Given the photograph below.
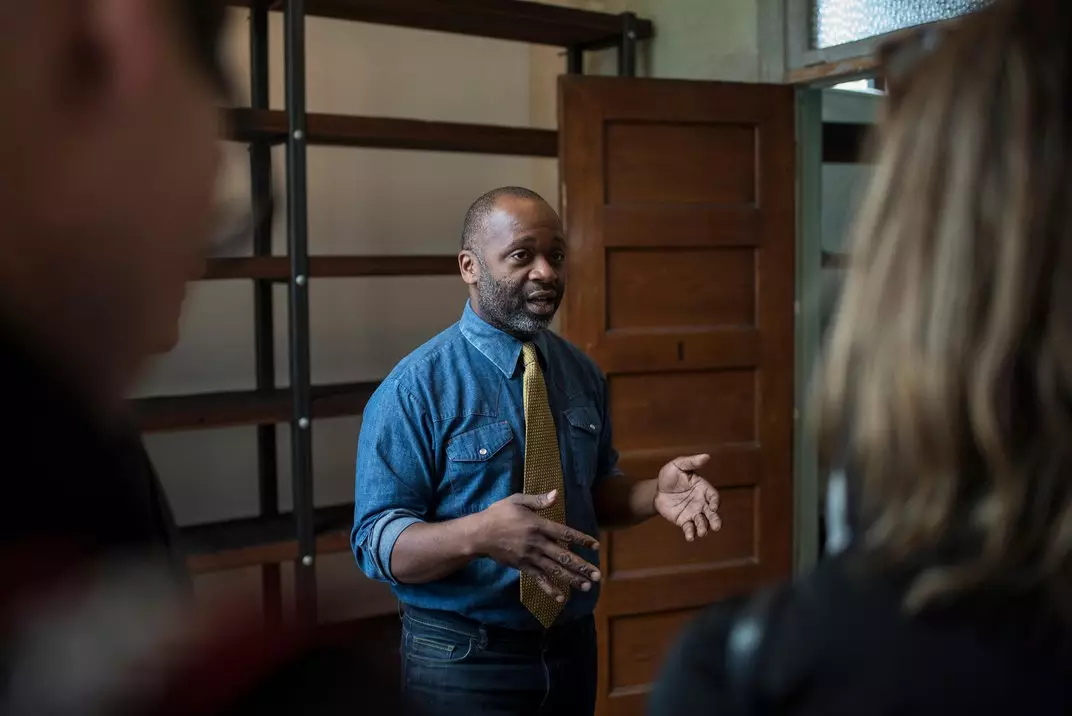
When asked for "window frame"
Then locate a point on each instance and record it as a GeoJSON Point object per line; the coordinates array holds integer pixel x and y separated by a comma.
{"type": "Point", "coordinates": [806, 64]}
{"type": "Point", "coordinates": [800, 53]}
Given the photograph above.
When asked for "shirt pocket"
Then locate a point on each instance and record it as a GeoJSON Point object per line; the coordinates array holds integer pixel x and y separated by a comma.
{"type": "Point", "coordinates": [585, 426]}
{"type": "Point", "coordinates": [479, 467]}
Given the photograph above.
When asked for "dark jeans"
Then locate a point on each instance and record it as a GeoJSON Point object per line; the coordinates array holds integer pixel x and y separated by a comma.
{"type": "Point", "coordinates": [451, 665]}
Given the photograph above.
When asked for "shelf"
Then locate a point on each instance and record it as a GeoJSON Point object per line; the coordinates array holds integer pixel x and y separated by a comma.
{"type": "Point", "coordinates": [516, 20]}
{"type": "Point", "coordinates": [255, 541]}
{"type": "Point", "coordinates": [269, 553]}
{"type": "Point", "coordinates": [277, 268]}
{"type": "Point", "coordinates": [246, 125]}
{"type": "Point", "coordinates": [217, 410]}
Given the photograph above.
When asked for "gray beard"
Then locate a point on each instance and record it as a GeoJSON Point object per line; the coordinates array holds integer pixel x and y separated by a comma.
{"type": "Point", "coordinates": [506, 310]}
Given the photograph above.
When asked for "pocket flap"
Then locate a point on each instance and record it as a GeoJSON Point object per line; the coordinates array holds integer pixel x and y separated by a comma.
{"type": "Point", "coordinates": [584, 418]}
{"type": "Point", "coordinates": [479, 444]}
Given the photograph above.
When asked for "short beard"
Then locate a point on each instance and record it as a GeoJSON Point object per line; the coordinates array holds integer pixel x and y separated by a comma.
{"type": "Point", "coordinates": [504, 309]}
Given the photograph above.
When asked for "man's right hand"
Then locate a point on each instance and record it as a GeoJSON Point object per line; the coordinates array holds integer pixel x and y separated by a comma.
{"type": "Point", "coordinates": [511, 533]}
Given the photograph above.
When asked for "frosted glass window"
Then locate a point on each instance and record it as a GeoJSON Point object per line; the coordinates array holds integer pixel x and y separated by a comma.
{"type": "Point", "coordinates": [836, 22]}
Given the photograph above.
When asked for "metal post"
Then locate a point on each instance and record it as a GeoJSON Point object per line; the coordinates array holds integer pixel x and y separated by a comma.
{"type": "Point", "coordinates": [301, 427]}
{"type": "Point", "coordinates": [575, 60]}
{"type": "Point", "coordinates": [260, 166]}
{"type": "Point", "coordinates": [627, 46]}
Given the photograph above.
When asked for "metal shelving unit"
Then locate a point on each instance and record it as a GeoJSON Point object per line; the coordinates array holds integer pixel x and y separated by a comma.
{"type": "Point", "coordinates": [272, 537]}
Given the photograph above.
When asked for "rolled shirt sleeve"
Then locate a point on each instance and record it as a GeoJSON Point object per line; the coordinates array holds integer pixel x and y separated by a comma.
{"type": "Point", "coordinates": [393, 486]}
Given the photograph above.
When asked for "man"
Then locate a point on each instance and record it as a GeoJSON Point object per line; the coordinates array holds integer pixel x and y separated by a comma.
{"type": "Point", "coordinates": [485, 468]}
{"type": "Point", "coordinates": [109, 142]}
{"type": "Point", "coordinates": [110, 150]}
{"type": "Point", "coordinates": [109, 147]}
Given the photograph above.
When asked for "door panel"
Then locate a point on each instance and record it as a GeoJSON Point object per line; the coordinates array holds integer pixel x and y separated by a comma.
{"type": "Point", "coordinates": [644, 164]}
{"type": "Point", "coordinates": [714, 287]}
{"type": "Point", "coordinates": [638, 645]}
{"type": "Point", "coordinates": [678, 203]}
{"type": "Point", "coordinates": [680, 225]}
{"type": "Point", "coordinates": [657, 544]}
{"type": "Point", "coordinates": [657, 409]}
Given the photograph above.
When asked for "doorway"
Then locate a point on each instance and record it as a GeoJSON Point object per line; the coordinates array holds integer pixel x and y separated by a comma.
{"type": "Point", "coordinates": [833, 124]}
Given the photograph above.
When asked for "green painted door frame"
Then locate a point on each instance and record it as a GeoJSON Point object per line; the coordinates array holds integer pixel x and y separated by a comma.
{"type": "Point", "coordinates": [806, 487]}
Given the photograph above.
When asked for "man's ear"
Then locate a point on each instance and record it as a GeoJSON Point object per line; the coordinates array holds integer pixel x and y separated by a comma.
{"type": "Point", "coordinates": [469, 267]}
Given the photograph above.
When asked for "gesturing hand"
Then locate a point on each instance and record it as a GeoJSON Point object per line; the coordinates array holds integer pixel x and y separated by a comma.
{"type": "Point", "coordinates": [685, 498]}
{"type": "Point", "coordinates": [511, 533]}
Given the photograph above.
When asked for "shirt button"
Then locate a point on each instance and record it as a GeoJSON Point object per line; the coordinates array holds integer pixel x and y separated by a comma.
{"type": "Point", "coordinates": [591, 427]}
{"type": "Point", "coordinates": [483, 451]}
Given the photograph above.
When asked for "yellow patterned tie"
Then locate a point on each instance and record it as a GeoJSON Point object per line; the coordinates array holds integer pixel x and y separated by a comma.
{"type": "Point", "coordinates": [543, 473]}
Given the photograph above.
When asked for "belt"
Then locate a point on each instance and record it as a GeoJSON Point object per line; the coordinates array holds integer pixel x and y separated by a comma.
{"type": "Point", "coordinates": [497, 634]}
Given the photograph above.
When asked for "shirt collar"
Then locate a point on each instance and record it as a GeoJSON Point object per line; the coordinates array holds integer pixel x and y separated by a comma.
{"type": "Point", "coordinates": [499, 347]}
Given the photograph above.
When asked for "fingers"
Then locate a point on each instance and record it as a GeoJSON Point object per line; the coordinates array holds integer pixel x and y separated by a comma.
{"type": "Point", "coordinates": [690, 531]}
{"type": "Point", "coordinates": [713, 519]}
{"type": "Point", "coordinates": [559, 574]}
{"type": "Point", "coordinates": [704, 522]}
{"type": "Point", "coordinates": [571, 563]}
{"type": "Point", "coordinates": [561, 533]}
{"type": "Point", "coordinates": [544, 582]}
{"type": "Point", "coordinates": [691, 463]}
{"type": "Point", "coordinates": [710, 511]}
{"type": "Point", "coordinates": [534, 502]}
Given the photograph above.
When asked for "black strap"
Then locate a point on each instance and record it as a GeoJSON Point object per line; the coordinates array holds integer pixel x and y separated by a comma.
{"type": "Point", "coordinates": [744, 648]}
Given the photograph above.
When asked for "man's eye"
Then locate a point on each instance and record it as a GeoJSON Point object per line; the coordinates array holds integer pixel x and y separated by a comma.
{"type": "Point", "coordinates": [520, 255]}
{"type": "Point", "coordinates": [558, 257]}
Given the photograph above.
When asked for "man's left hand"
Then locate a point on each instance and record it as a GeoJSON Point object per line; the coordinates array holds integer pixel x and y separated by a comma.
{"type": "Point", "coordinates": [685, 498]}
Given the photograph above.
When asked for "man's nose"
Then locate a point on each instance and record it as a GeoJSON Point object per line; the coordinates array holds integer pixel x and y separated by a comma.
{"type": "Point", "coordinates": [542, 270]}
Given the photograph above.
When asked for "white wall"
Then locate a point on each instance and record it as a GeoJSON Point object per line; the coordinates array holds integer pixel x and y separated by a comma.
{"type": "Point", "coordinates": [700, 39]}
{"type": "Point", "coordinates": [360, 202]}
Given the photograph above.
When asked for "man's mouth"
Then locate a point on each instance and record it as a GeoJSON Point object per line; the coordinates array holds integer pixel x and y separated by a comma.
{"type": "Point", "coordinates": [541, 302]}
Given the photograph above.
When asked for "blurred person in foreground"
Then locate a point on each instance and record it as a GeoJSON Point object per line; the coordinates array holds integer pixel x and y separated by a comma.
{"type": "Point", "coordinates": [949, 378]}
{"type": "Point", "coordinates": [109, 146]}
{"type": "Point", "coordinates": [109, 137]}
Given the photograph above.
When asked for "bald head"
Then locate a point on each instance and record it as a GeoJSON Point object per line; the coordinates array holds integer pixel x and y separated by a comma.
{"type": "Point", "coordinates": [513, 258]}
{"type": "Point", "coordinates": [481, 210]}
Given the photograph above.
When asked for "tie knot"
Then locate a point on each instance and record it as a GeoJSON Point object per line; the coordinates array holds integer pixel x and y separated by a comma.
{"type": "Point", "coordinates": [528, 353]}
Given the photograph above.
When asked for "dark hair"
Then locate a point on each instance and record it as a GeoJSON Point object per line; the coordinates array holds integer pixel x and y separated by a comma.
{"type": "Point", "coordinates": [201, 22]}
{"type": "Point", "coordinates": [481, 209]}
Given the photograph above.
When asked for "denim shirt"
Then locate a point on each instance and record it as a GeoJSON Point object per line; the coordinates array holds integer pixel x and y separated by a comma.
{"type": "Point", "coordinates": [444, 437]}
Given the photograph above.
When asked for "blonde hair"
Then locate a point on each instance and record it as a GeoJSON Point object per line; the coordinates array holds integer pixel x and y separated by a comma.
{"type": "Point", "coordinates": [948, 372]}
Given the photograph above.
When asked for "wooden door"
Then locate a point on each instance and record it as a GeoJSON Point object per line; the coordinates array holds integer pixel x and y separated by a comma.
{"type": "Point", "coordinates": [678, 203]}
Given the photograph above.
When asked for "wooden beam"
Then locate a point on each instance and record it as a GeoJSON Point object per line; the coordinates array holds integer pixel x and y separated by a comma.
{"type": "Point", "coordinates": [873, 59]}
{"type": "Point", "coordinates": [246, 125]}
{"type": "Point", "coordinates": [252, 541]}
{"type": "Point", "coordinates": [217, 410]}
{"type": "Point", "coordinates": [273, 553]}
{"type": "Point", "coordinates": [533, 22]}
{"type": "Point", "coordinates": [829, 71]}
{"type": "Point", "coordinates": [277, 268]}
